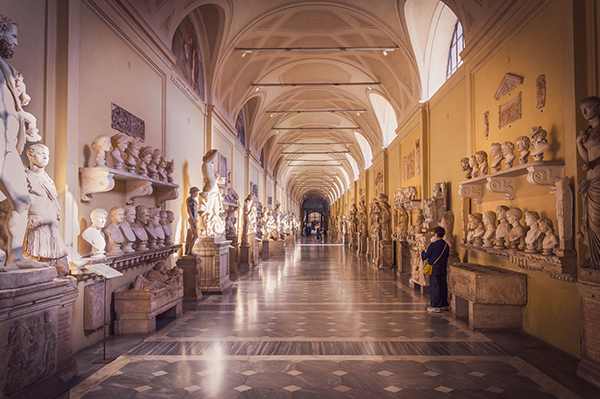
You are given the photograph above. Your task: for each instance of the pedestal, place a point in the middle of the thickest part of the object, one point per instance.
(386, 254)
(362, 246)
(289, 241)
(35, 331)
(403, 257)
(375, 249)
(192, 272)
(276, 248)
(265, 250)
(245, 255)
(234, 263)
(254, 253)
(589, 366)
(215, 264)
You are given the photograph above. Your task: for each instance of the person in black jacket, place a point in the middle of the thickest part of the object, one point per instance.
(437, 256)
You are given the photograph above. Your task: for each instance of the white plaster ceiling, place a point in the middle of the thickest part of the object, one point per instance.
(231, 78)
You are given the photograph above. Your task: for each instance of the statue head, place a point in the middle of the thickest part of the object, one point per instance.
(133, 148)
(117, 215)
(154, 217)
(38, 155)
(142, 214)
(161, 267)
(590, 107)
(489, 218)
(464, 164)
(120, 141)
(146, 154)
(496, 149)
(523, 143)
(101, 143)
(163, 217)
(531, 217)
(8, 37)
(129, 213)
(98, 217)
(507, 148)
(170, 166)
(501, 211)
(481, 156)
(546, 225)
(170, 217)
(475, 219)
(538, 135)
(156, 156)
(473, 161)
(513, 215)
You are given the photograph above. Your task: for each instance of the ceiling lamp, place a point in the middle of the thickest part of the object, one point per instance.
(371, 48)
(316, 84)
(314, 111)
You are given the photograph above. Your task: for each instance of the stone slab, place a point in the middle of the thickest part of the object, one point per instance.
(25, 277)
(192, 269)
(289, 240)
(276, 248)
(215, 264)
(94, 302)
(589, 366)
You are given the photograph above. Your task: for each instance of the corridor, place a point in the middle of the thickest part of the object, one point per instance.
(322, 323)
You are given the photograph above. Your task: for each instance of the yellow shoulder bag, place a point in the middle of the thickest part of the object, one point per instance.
(428, 269)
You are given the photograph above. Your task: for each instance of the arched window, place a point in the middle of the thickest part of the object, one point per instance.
(457, 44)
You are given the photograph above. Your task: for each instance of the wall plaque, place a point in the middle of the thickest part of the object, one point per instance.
(510, 112)
(126, 122)
(410, 165)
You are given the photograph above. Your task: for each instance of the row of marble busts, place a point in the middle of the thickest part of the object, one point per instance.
(493, 229)
(127, 155)
(131, 229)
(477, 165)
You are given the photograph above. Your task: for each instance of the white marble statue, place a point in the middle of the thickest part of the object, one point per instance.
(43, 242)
(145, 157)
(503, 227)
(514, 216)
(476, 229)
(534, 233)
(523, 143)
(482, 160)
(94, 235)
(508, 150)
(489, 221)
(247, 210)
(539, 142)
(133, 152)
(129, 237)
(496, 154)
(466, 167)
(550, 240)
(211, 204)
(102, 146)
(113, 231)
(142, 216)
(192, 211)
(166, 220)
(119, 143)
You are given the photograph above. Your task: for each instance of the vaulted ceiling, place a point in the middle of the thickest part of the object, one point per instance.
(305, 73)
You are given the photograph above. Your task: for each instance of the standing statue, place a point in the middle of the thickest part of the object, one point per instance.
(192, 211)
(401, 232)
(362, 220)
(113, 231)
(231, 222)
(43, 242)
(19, 126)
(417, 226)
(489, 221)
(496, 153)
(588, 145)
(211, 205)
(385, 218)
(94, 235)
(119, 143)
(129, 237)
(523, 143)
(248, 202)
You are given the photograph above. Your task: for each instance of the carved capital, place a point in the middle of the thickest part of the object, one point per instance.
(545, 175)
(473, 192)
(167, 194)
(137, 189)
(95, 180)
(502, 185)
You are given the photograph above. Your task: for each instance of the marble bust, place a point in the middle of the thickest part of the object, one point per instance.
(476, 230)
(496, 153)
(102, 145)
(119, 143)
(474, 165)
(523, 143)
(533, 234)
(550, 240)
(489, 221)
(113, 231)
(503, 226)
(508, 149)
(464, 165)
(142, 215)
(156, 235)
(145, 157)
(94, 235)
(132, 151)
(482, 160)
(513, 216)
(129, 237)
(161, 169)
(154, 164)
(169, 170)
(166, 220)
(539, 141)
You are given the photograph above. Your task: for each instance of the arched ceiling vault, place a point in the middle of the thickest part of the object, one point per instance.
(312, 154)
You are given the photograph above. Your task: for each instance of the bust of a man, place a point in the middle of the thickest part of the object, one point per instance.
(142, 216)
(113, 232)
(94, 235)
(129, 237)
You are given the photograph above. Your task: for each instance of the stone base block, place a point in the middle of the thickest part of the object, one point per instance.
(215, 264)
(589, 366)
(234, 264)
(25, 277)
(495, 317)
(423, 289)
(289, 241)
(192, 272)
(589, 370)
(403, 257)
(245, 255)
(265, 250)
(386, 254)
(276, 248)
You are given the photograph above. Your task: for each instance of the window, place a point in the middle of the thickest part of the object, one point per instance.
(457, 44)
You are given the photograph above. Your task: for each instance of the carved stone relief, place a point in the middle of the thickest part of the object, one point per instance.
(509, 83)
(410, 165)
(127, 123)
(510, 112)
(540, 92)
(486, 124)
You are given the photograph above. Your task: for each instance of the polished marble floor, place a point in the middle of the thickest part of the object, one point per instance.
(320, 322)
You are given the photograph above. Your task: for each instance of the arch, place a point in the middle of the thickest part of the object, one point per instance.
(430, 26)
(185, 45)
(386, 116)
(365, 148)
(354, 166)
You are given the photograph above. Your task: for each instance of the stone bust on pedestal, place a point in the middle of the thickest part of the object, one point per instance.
(94, 235)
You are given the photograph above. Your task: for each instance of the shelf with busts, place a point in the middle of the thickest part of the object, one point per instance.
(549, 174)
(101, 179)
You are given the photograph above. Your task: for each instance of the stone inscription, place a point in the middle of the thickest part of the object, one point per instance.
(510, 112)
(64, 334)
(591, 329)
(126, 122)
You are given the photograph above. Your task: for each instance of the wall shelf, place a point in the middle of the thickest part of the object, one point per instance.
(101, 179)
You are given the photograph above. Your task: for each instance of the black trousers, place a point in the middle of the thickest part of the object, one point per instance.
(438, 291)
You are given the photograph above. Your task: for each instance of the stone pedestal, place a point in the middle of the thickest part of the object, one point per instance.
(192, 272)
(362, 246)
(215, 264)
(254, 253)
(35, 333)
(589, 366)
(265, 250)
(234, 263)
(495, 296)
(245, 255)
(375, 250)
(386, 254)
(276, 248)
(289, 241)
(403, 257)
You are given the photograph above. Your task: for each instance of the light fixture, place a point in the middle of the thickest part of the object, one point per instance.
(316, 128)
(315, 111)
(316, 84)
(287, 49)
(385, 52)
(257, 87)
(369, 87)
(272, 115)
